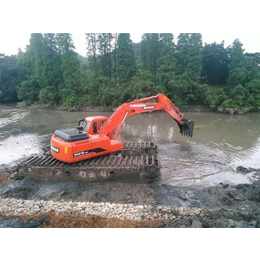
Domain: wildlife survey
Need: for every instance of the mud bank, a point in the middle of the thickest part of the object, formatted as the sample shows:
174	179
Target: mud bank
239	209
184	108
61	108
217	206
11	115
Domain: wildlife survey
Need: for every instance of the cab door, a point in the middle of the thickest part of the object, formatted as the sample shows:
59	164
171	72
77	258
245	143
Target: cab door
95	127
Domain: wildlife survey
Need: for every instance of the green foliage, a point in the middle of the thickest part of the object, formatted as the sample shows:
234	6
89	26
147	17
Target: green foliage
137	51
49	95
152	52
92	46
236	55
183	90
117	71
166	61
9	78
28	91
140	86
189	55
229	103
105	50
70	99
215	64
125	58
215	96
236	76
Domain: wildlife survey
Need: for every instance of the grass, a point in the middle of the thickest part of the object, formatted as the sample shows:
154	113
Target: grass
200	127
5	114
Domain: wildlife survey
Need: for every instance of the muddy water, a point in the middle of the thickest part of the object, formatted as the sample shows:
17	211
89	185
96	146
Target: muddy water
210	157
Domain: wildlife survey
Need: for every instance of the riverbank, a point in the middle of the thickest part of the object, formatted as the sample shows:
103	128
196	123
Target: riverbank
10	115
22	105
183	108
72	204
33	213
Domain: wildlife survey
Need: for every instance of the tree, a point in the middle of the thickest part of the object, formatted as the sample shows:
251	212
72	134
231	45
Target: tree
189	55
150	50
32	65
52	60
92	47
236	66
137	50
52	69
236	55
37	51
125	59
185	91
71	93
8	78
215	64
252	65
237	76
140	86
145	38
115	37
253	87
166	62
105	51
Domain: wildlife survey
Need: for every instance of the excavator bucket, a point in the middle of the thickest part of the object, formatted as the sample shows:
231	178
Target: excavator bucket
187	127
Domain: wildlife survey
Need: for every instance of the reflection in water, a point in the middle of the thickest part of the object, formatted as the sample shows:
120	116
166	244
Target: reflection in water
211	156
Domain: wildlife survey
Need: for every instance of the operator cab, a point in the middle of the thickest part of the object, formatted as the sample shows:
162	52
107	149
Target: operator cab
92	124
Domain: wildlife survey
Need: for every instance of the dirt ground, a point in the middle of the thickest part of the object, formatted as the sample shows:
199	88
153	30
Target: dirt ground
51	220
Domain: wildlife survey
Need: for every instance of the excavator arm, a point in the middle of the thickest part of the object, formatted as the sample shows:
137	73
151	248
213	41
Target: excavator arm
113	125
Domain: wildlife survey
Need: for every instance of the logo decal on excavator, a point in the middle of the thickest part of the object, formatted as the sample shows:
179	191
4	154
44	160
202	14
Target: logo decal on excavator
96	150
138	105
150	107
81	153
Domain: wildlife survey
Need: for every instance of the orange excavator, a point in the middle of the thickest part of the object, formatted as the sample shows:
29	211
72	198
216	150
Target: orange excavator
98	134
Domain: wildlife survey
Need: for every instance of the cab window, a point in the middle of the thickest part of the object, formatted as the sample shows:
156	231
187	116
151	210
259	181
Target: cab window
100	123
87	125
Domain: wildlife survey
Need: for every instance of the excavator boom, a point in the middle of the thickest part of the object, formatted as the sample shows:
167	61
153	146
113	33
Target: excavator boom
113	125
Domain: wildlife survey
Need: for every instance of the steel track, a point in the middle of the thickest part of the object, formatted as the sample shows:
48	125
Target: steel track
136	161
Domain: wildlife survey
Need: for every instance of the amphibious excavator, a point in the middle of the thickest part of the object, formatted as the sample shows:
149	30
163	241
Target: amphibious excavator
91	152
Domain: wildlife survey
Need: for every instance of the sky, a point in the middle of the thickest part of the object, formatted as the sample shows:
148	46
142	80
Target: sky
10	42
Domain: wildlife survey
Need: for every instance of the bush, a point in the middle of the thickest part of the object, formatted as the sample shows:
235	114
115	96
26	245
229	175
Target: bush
229	104
49	95
215	96
70	99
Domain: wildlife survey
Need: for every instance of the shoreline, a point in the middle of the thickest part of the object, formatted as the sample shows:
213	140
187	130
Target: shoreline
183	108
219	206
239	209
